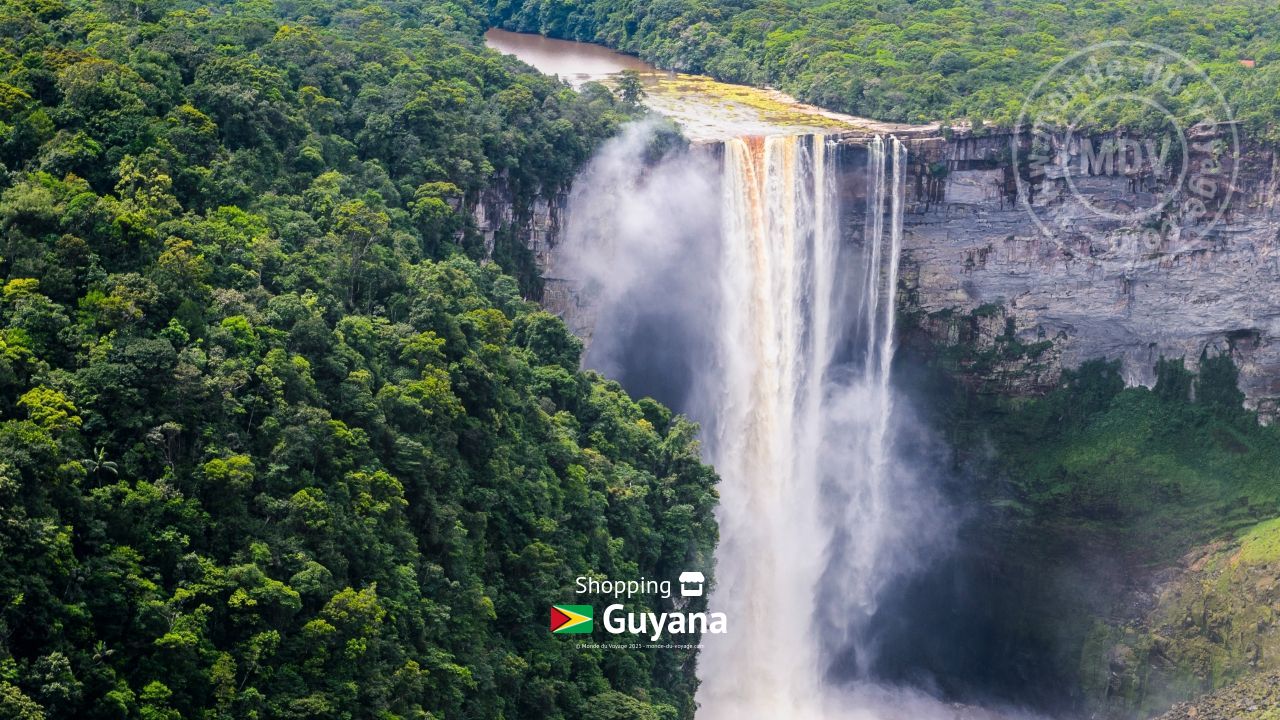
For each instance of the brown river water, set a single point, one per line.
(706, 109)
(573, 62)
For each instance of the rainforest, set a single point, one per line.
(340, 340)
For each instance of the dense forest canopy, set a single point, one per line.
(926, 60)
(276, 439)
(281, 438)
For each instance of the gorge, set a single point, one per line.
(351, 369)
(799, 251)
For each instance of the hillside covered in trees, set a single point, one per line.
(927, 60)
(276, 439)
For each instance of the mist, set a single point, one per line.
(751, 286)
(640, 243)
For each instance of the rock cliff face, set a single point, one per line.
(534, 225)
(979, 272)
(536, 229)
(978, 268)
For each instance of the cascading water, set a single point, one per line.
(731, 283)
(859, 414)
(796, 341)
(767, 421)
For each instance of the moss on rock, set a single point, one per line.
(1212, 625)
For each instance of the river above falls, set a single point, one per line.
(706, 109)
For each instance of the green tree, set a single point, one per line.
(630, 88)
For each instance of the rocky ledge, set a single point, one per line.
(1257, 698)
(1071, 270)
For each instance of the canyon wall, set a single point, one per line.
(1026, 299)
(1032, 297)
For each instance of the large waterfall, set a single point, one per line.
(753, 287)
(806, 336)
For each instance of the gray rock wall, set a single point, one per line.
(978, 270)
(537, 227)
(1095, 286)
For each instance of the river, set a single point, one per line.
(707, 110)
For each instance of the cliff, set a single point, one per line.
(517, 230)
(980, 268)
(534, 225)
(1017, 294)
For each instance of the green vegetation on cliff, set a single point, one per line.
(275, 442)
(1156, 470)
(925, 60)
(1212, 624)
(1091, 492)
(1257, 698)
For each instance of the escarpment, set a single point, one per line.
(1022, 280)
(1044, 284)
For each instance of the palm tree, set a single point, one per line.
(100, 462)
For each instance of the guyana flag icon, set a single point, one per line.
(571, 619)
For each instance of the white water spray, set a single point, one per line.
(738, 271)
(859, 414)
(786, 327)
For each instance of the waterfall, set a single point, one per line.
(859, 418)
(738, 286)
(802, 420)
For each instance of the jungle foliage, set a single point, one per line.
(1150, 471)
(927, 60)
(276, 439)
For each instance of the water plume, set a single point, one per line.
(733, 284)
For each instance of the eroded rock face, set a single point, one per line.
(536, 224)
(979, 271)
(1095, 286)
